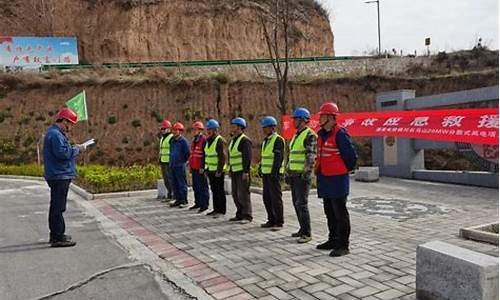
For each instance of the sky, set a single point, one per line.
(451, 25)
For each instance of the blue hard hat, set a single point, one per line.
(212, 124)
(240, 122)
(268, 121)
(301, 113)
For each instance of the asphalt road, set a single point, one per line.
(97, 268)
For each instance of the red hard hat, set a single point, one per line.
(166, 124)
(67, 114)
(329, 108)
(198, 125)
(178, 126)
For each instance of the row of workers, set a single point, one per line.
(329, 153)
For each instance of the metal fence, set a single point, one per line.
(195, 63)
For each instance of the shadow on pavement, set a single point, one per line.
(24, 247)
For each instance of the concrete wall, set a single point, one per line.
(366, 66)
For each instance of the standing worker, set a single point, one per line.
(336, 157)
(179, 155)
(166, 137)
(271, 169)
(240, 158)
(200, 184)
(301, 159)
(215, 160)
(59, 169)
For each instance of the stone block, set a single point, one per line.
(227, 185)
(367, 174)
(446, 271)
(483, 233)
(162, 190)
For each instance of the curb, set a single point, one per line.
(141, 193)
(86, 195)
(22, 177)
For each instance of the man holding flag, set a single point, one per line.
(59, 166)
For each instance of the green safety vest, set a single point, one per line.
(165, 148)
(235, 156)
(297, 158)
(267, 155)
(211, 157)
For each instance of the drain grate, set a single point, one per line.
(396, 209)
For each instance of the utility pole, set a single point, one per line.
(378, 21)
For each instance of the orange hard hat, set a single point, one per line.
(67, 114)
(198, 125)
(178, 126)
(329, 108)
(166, 124)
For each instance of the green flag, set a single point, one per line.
(79, 105)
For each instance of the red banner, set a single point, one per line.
(474, 126)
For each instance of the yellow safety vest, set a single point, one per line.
(211, 157)
(267, 155)
(297, 158)
(165, 148)
(235, 156)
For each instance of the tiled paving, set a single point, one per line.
(389, 219)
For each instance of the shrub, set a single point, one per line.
(156, 116)
(22, 170)
(136, 123)
(112, 120)
(98, 178)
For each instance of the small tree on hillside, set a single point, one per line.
(278, 19)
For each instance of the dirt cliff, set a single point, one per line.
(124, 113)
(164, 30)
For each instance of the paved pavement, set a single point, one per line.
(97, 268)
(138, 248)
(389, 219)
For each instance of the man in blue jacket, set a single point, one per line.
(59, 168)
(336, 157)
(179, 156)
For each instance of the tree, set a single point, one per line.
(277, 20)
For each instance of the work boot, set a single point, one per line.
(65, 237)
(175, 204)
(328, 245)
(339, 252)
(64, 242)
(266, 225)
(277, 227)
(304, 239)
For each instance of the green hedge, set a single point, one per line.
(98, 178)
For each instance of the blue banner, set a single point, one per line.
(37, 51)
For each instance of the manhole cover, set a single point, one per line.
(396, 209)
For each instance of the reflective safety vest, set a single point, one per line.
(329, 161)
(165, 148)
(211, 157)
(196, 157)
(267, 154)
(297, 157)
(235, 156)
